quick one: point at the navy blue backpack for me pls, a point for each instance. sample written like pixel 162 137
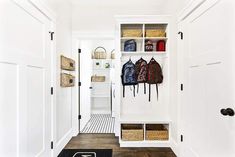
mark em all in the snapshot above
pixel 130 46
pixel 129 76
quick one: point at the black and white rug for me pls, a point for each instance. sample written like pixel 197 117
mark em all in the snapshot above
pixel 100 123
pixel 86 153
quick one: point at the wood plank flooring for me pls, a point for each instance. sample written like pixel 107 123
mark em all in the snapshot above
pixel 109 141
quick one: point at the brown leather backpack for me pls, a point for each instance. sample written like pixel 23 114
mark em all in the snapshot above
pixel 154 74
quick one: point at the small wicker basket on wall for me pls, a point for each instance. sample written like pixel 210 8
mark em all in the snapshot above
pixel 67 63
pixel 100 53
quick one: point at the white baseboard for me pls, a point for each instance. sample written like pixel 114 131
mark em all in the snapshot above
pixel 59 146
pixel 175 147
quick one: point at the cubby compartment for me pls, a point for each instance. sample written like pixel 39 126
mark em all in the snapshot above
pixel 155 30
pixel 158 132
pixel 132 30
pixel 132 132
pixel 138 45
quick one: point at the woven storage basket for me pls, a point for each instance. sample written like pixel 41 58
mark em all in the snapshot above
pixel 155 33
pixel 132 132
pixel 67 63
pixel 112 54
pixel 98 78
pixel 132 33
pixel 67 80
pixel 100 53
pixel 156 132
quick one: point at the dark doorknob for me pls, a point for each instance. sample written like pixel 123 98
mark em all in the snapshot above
pixel 227 112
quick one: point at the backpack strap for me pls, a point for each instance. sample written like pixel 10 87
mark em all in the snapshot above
pixel 137 88
pixel 144 88
pixel 134 90
pixel 149 92
pixel 157 90
pixel 123 91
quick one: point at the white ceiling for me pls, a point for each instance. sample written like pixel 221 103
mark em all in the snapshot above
pixel 98 15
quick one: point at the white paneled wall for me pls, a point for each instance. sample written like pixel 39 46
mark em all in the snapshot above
pixel 63 35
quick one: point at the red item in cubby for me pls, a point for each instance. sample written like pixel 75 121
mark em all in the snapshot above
pixel 161 45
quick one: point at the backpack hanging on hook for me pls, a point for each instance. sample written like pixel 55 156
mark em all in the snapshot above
pixel 155 75
pixel 129 76
pixel 141 68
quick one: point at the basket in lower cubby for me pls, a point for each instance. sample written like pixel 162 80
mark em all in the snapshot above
pixel 156 132
pixel 132 132
pixel 144 135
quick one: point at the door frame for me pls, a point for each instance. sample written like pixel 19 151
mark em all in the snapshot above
pixel 51 16
pixel 78 36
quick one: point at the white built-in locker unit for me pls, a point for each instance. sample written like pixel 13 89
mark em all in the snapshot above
pixel 138 109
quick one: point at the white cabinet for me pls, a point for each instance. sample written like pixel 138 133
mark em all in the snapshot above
pixel 138 110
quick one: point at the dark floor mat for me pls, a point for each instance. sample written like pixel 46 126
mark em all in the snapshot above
pixel 86 153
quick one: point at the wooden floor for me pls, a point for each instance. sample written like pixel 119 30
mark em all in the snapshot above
pixel 109 141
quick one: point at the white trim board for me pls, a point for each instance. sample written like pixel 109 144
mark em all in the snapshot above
pixel 108 35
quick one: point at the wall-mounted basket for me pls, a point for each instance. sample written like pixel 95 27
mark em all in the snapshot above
pixel 67 80
pixel 98 78
pixel 100 53
pixel 67 63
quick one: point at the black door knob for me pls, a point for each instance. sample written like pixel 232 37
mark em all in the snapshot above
pixel 227 112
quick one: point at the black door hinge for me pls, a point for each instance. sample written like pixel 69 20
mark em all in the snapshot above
pixel 52 35
pixel 52 145
pixel 52 90
pixel 79 84
pixel 79 117
pixel 79 50
pixel 182 87
pixel 181 138
pixel 181 35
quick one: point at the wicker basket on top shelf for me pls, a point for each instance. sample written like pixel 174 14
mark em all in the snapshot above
pixel 155 33
pixel 132 33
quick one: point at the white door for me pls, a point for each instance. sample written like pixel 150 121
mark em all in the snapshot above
pixel 25 100
pixel 85 78
pixel 209 38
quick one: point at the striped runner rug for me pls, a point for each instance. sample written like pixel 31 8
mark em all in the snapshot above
pixel 100 123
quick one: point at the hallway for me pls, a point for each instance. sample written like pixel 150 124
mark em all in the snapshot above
pixel 109 141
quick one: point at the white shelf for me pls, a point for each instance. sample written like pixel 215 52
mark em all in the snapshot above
pixel 143 119
pixel 100 96
pixel 156 38
pixel 144 53
pixel 106 82
pixel 129 38
pixel 144 143
pixel 107 59
pixel 106 69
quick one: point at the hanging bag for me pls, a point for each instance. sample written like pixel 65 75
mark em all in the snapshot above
pixel 155 75
pixel 128 76
pixel 141 68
